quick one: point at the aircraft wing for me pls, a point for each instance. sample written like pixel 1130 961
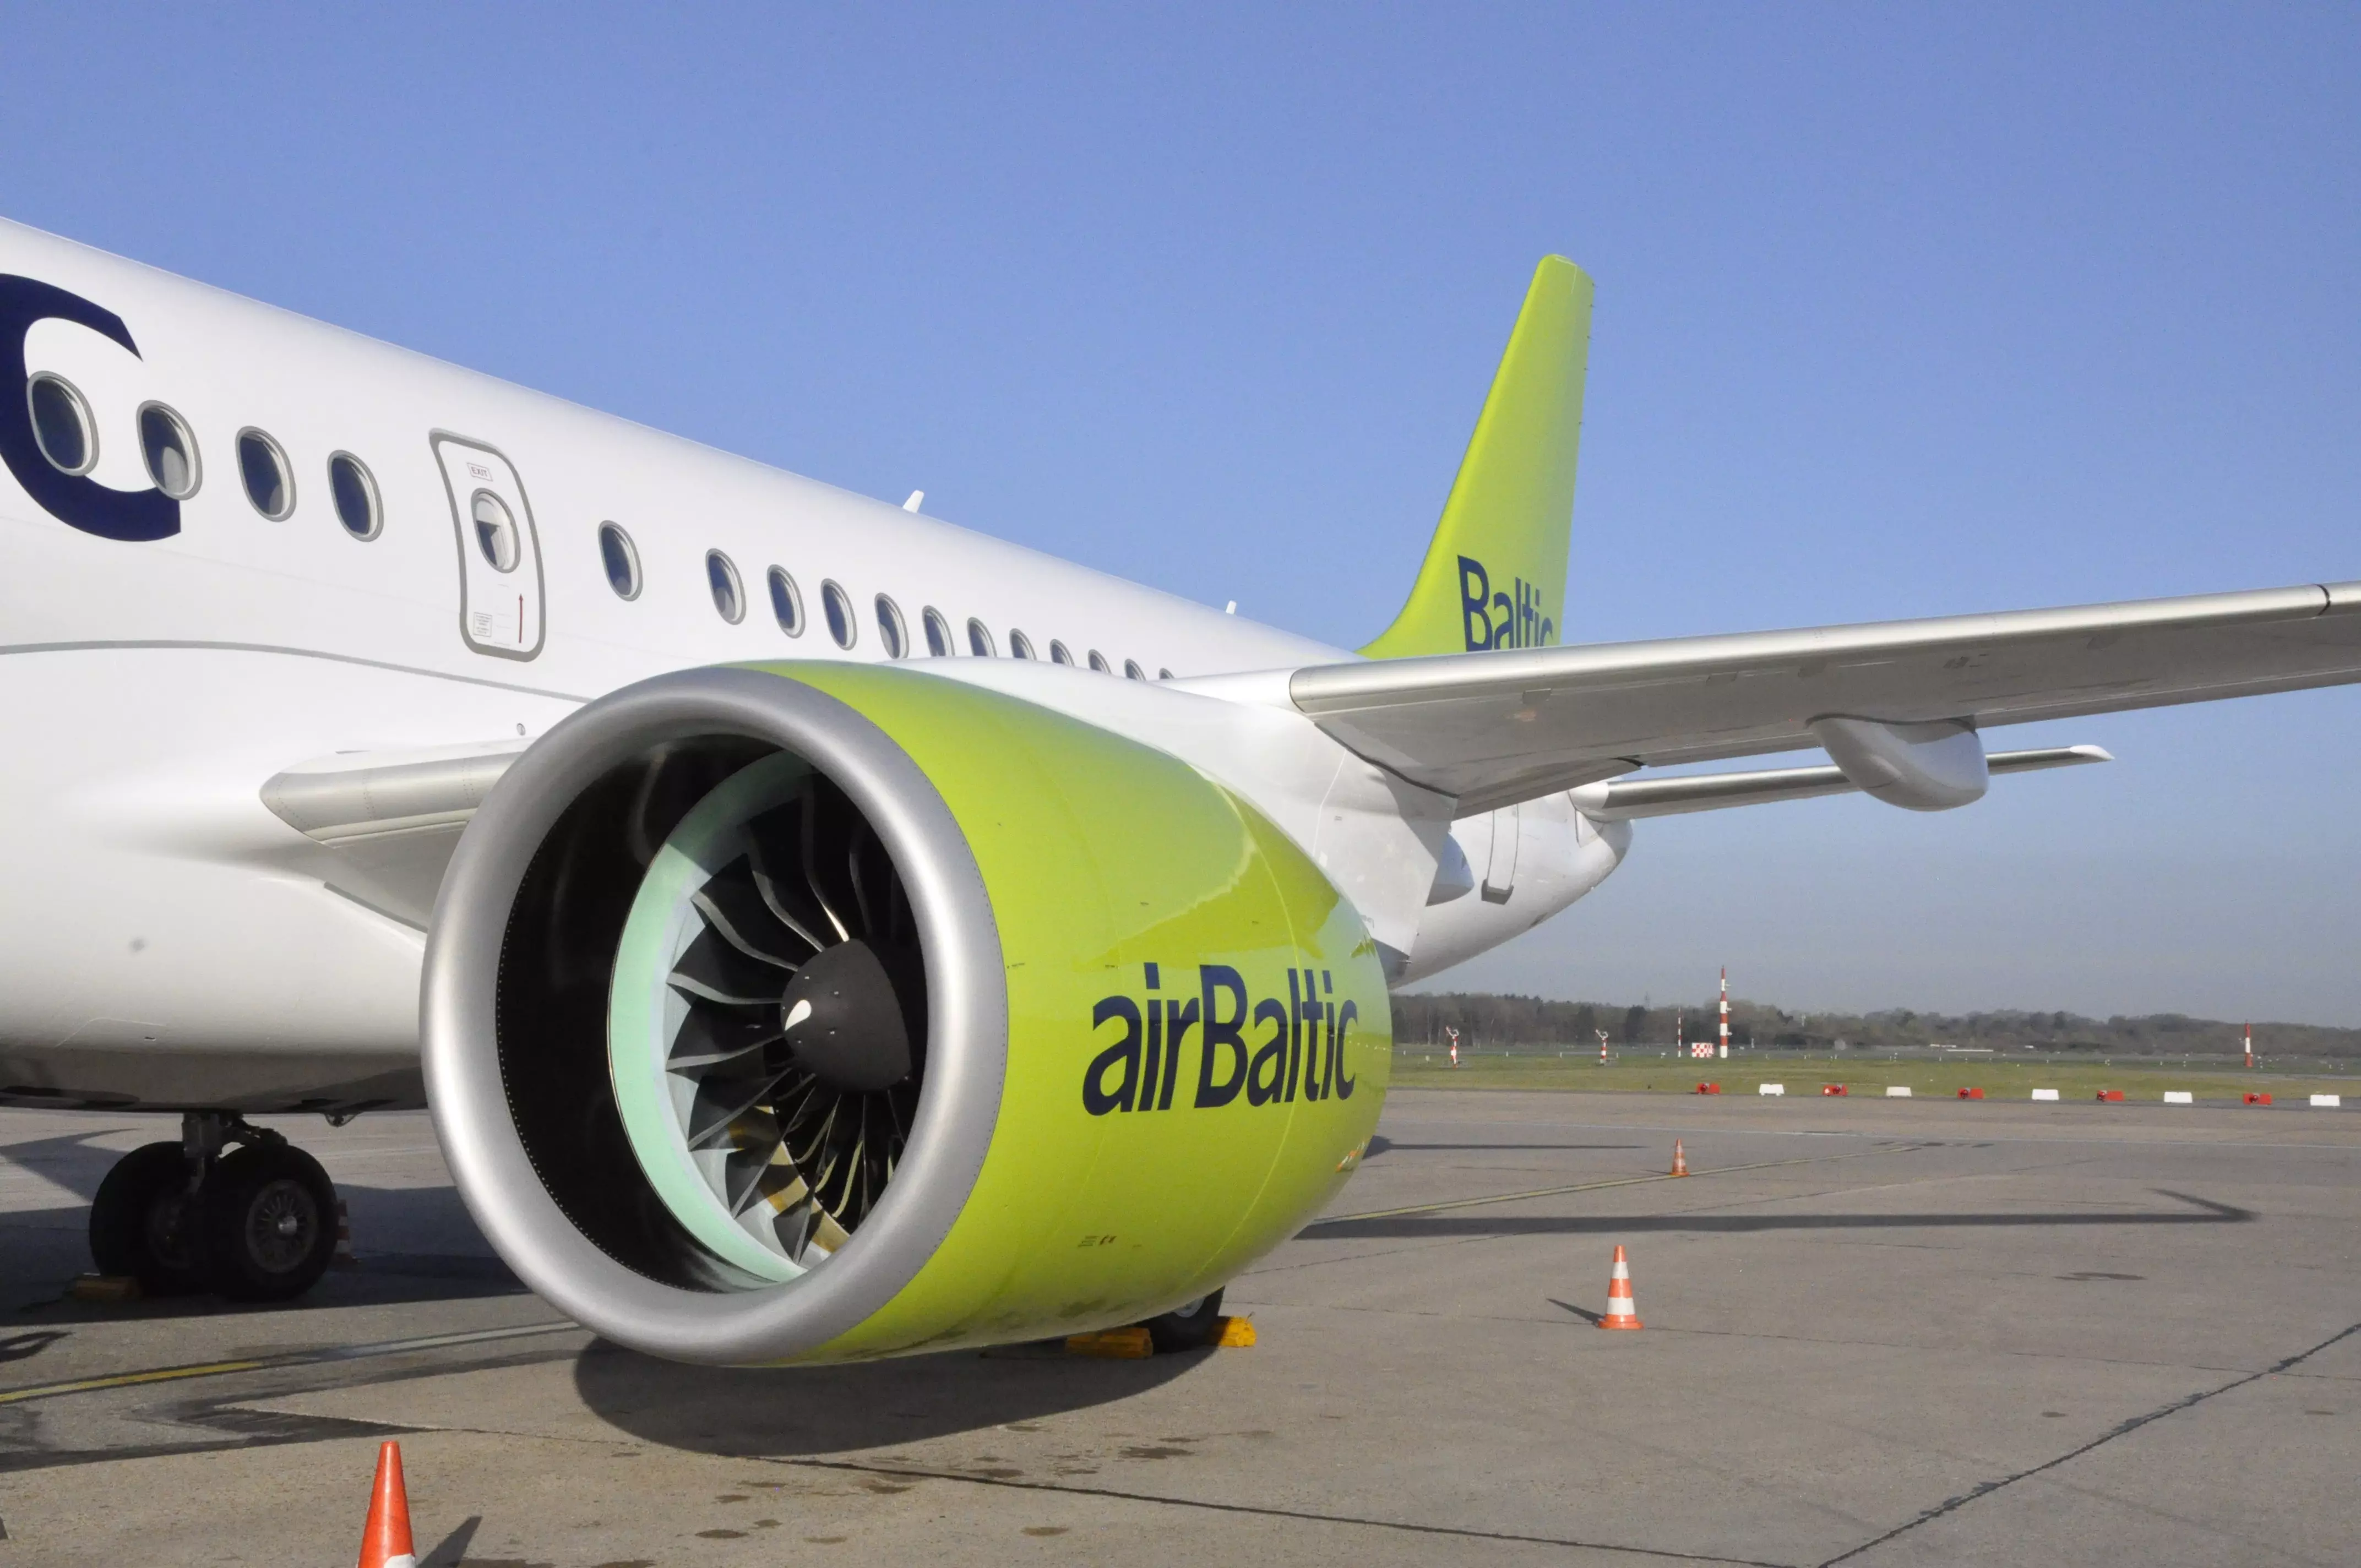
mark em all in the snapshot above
pixel 1497 728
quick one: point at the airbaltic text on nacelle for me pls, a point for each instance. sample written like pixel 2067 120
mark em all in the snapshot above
pixel 1303 1052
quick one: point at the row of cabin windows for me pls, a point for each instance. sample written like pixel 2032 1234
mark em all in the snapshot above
pixel 68 437
pixel 621 559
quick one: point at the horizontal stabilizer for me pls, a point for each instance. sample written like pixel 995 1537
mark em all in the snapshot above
pixel 1623 800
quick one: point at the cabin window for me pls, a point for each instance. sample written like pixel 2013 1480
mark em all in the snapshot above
pixel 728 594
pixel 1132 670
pixel 496 531
pixel 268 485
pixel 889 627
pixel 620 558
pixel 1059 654
pixel 837 605
pixel 62 425
pixel 354 489
pixel 938 632
pixel 1099 662
pixel 170 451
pixel 1019 645
pixel 979 641
pixel 786 602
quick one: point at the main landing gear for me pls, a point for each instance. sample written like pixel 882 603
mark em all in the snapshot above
pixel 258 1224
pixel 1192 1325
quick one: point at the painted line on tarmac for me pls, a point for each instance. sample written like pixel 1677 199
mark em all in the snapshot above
pixel 1597 1186
pixel 1986 1488
pixel 271 1363
pixel 1261 1510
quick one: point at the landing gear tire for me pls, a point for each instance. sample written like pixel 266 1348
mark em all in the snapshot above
pixel 266 1223
pixel 140 1222
pixel 1194 1325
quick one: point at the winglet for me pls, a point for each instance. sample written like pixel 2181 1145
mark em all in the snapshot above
pixel 1495 575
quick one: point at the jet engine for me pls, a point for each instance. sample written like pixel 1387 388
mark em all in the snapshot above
pixel 824 1011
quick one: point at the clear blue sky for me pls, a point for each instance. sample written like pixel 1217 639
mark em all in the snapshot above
pixel 1901 312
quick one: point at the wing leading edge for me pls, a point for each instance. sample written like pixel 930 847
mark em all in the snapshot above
pixel 1497 728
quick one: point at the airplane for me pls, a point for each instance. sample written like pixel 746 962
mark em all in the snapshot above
pixel 819 932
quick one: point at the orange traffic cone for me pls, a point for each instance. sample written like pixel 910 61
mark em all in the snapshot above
pixel 385 1539
pixel 1622 1310
pixel 1680 1159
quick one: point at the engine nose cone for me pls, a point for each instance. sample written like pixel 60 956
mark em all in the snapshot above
pixel 844 1021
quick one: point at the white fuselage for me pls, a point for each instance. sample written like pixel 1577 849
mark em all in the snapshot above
pixel 156 907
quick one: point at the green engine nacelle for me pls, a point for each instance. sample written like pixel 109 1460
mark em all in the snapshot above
pixel 822 1011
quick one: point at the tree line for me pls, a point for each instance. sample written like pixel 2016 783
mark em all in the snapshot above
pixel 1492 1018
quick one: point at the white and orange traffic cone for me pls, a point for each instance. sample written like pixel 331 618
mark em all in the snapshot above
pixel 1623 1312
pixel 385 1539
pixel 1680 1159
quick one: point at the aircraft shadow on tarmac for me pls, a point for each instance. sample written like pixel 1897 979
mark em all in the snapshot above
pixel 744 1412
pixel 1381 1144
pixel 1403 1227
pixel 39 1259
pixel 402 1236
pixel 69 1161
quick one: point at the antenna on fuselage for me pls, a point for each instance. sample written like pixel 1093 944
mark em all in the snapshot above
pixel 917 498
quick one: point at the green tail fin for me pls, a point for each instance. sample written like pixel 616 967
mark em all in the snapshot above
pixel 1495 575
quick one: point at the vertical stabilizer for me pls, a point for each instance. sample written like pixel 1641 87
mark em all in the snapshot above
pixel 1495 575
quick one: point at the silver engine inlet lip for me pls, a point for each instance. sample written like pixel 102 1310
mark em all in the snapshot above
pixel 967 1020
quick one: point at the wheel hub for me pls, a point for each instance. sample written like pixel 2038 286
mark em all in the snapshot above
pixel 279 1225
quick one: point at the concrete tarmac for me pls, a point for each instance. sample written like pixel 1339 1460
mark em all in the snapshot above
pixel 1878 1334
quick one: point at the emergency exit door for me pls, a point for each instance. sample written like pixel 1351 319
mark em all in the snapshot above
pixel 500 592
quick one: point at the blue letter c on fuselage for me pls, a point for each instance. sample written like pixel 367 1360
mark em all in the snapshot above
pixel 74 499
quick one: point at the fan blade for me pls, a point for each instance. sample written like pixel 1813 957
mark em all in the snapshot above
pixel 802 1105
pixel 733 906
pixel 825 1161
pixel 782 1187
pixel 840 817
pixel 852 873
pixel 774 840
pixel 723 1101
pixel 719 972
pixel 742 1177
pixel 795 1228
pixel 708 1038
